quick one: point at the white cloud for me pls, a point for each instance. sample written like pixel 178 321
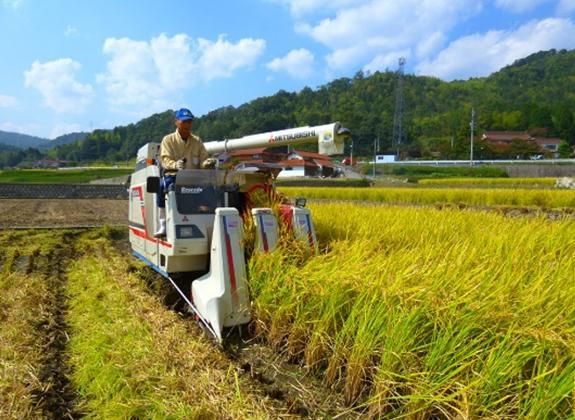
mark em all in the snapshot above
pixel 221 58
pixel 56 82
pixel 303 7
pixel 482 54
pixel 428 46
pixel 31 129
pixel 59 129
pixel 297 63
pixel 373 29
pixel 13 4
pixel 566 7
pixel 385 61
pixel 342 58
pixel 519 6
pixel 148 74
pixel 8 101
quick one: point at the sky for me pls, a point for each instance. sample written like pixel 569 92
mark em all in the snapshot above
pixel 69 65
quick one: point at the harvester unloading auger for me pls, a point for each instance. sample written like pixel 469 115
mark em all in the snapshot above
pixel 202 254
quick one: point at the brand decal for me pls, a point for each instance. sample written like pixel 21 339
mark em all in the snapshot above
pixel 327 137
pixel 191 190
pixel 274 138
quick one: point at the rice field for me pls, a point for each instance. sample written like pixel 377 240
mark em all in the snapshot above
pixel 490 197
pixel 407 312
pixel 491 182
pixel 424 313
pixel 86 334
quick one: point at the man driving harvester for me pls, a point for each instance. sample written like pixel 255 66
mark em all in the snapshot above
pixel 179 150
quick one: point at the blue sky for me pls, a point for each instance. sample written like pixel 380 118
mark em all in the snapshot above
pixel 69 65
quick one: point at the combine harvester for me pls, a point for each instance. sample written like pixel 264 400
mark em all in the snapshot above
pixel 202 254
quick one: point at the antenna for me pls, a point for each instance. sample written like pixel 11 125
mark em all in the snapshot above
pixel 398 114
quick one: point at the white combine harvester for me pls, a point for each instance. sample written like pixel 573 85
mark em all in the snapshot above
pixel 202 254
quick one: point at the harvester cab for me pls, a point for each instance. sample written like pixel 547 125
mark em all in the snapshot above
pixel 203 253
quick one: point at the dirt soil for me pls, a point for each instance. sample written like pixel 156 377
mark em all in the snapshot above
pixel 17 213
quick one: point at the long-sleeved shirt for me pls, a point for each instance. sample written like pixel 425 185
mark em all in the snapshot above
pixel 174 148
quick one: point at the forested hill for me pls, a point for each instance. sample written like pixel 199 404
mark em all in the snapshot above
pixel 21 141
pixel 536 93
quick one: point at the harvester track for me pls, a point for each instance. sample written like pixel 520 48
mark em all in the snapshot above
pixel 290 388
pixel 56 395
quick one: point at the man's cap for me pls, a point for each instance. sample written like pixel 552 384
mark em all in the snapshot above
pixel 184 114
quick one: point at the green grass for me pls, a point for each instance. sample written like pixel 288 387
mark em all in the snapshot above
pixel 62 176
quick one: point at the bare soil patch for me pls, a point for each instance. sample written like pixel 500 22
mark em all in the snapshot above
pixel 17 213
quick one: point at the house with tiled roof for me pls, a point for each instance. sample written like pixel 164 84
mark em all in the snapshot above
pixel 294 163
pixel 503 139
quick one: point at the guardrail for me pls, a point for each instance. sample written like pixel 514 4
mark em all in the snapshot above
pixel 63 191
pixel 477 162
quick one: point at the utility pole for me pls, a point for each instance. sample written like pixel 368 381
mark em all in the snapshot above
pixel 472 125
pixel 351 154
pixel 375 143
pixel 398 114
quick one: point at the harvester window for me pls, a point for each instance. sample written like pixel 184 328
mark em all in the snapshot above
pixel 196 199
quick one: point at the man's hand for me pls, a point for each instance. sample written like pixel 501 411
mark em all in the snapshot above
pixel 180 164
pixel 209 163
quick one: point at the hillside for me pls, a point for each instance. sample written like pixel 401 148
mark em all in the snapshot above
pixel 534 93
pixel 24 141
pixel 21 141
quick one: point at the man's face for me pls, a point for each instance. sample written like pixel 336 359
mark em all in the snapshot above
pixel 184 127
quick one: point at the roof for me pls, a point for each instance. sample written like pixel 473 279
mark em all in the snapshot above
pixel 295 162
pixel 309 155
pixel 506 135
pixel 551 140
pixel 323 163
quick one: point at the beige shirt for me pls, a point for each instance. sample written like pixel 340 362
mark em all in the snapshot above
pixel 174 148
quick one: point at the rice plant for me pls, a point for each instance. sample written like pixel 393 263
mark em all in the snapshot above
pixel 517 197
pixel 425 312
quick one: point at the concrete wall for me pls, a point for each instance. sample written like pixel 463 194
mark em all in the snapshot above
pixel 539 171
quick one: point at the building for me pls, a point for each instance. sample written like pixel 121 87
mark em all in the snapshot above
pixel 502 140
pixel 295 163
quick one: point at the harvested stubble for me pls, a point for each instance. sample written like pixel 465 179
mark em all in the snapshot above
pixel 421 312
pixel 134 359
pixel 523 197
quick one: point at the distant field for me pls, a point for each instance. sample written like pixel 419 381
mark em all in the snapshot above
pixel 62 176
pixel 487 197
pixel 491 182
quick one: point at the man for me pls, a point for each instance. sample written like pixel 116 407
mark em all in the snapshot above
pixel 179 150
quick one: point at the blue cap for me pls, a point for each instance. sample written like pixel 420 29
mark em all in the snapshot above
pixel 184 114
